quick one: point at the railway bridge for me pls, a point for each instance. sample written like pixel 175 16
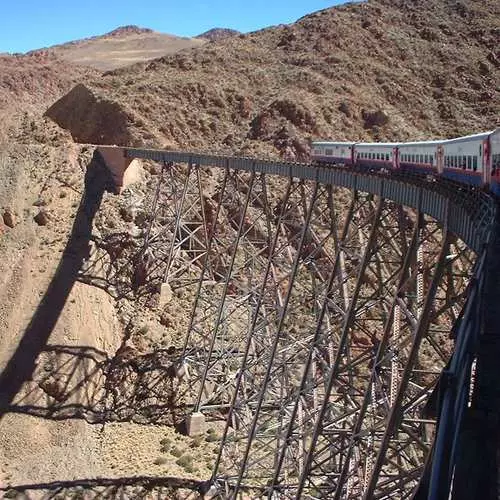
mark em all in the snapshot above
pixel 343 329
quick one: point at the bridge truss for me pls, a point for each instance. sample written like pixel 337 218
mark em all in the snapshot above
pixel 323 311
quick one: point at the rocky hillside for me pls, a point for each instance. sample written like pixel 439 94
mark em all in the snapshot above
pixel 218 34
pixel 121 47
pixel 376 70
pixel 29 84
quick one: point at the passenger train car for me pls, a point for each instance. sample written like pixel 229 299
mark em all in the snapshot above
pixel 474 159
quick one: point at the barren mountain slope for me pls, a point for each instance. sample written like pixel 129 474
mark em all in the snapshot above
pixel 121 47
pixel 381 69
pixel 218 34
pixel 30 83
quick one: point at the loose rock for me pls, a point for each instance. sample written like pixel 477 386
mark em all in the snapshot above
pixel 42 218
pixel 9 219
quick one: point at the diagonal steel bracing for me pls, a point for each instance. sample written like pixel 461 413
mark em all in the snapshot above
pixel 319 323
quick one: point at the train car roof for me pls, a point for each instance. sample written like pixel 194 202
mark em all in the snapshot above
pixel 378 144
pixel 435 142
pixel 472 137
pixel 327 143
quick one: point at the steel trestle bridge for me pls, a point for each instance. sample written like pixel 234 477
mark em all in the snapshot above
pixel 343 326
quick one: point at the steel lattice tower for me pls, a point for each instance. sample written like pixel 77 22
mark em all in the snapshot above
pixel 320 323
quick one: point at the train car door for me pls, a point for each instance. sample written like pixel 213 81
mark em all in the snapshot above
pixel 485 161
pixel 494 161
pixel 395 157
pixel 353 152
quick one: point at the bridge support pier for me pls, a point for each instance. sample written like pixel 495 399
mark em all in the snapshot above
pixel 117 163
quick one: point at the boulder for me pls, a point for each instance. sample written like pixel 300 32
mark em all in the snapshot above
pixel 42 218
pixel 8 218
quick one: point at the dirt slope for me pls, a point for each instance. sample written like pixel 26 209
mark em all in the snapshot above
pixel 121 47
pixel 381 70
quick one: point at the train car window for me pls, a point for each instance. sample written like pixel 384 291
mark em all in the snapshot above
pixel 426 158
pixel 378 156
pixel 480 150
pixel 474 163
pixel 329 152
pixel 421 158
pixel 469 162
pixel 387 156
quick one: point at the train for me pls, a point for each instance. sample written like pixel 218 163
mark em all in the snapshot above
pixel 472 160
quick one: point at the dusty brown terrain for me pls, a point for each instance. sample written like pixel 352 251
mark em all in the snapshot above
pixel 385 69
pixel 121 47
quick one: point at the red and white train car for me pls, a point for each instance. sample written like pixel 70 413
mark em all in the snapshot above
pixel 473 159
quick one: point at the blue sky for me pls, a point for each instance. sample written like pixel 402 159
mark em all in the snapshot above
pixel 32 24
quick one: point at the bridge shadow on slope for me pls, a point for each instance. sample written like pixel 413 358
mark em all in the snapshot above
pixel 22 363
pixel 104 488
pixel 83 382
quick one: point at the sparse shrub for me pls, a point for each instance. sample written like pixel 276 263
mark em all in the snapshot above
pixel 186 462
pixel 160 461
pixel 143 330
pixel 212 438
pixel 176 452
pixel 197 441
